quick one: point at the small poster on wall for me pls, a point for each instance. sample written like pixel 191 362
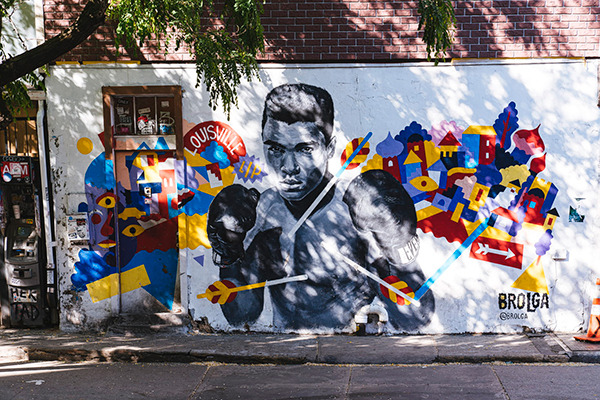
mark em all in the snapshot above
pixel 77 228
pixel 16 169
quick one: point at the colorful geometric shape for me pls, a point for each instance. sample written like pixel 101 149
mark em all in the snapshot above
pixel 360 157
pixel 107 287
pixel 533 279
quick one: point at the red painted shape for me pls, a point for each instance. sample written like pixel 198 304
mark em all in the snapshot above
pixel 162 236
pixel 496 252
pixel 538 164
pixel 386 292
pixel 487 149
pixel 216 298
pixel 441 225
pixel 391 165
pixel 505 130
pixel 199 138
pixel 449 140
pixel 532 137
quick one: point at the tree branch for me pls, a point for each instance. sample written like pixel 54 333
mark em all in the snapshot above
pixel 91 17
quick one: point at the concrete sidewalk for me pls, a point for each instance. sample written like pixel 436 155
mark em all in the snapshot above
pixel 295 349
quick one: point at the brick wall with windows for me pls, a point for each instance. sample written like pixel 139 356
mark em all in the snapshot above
pixel 375 30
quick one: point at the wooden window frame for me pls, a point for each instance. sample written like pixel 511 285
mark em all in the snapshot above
pixel 109 91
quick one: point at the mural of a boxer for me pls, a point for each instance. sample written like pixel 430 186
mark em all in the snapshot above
pixel 370 221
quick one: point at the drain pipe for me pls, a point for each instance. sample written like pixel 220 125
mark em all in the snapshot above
pixel 48 207
pixel 362 316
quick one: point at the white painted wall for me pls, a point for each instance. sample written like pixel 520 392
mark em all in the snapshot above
pixel 561 95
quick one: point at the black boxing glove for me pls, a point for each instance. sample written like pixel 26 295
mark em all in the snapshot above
pixel 231 214
pixel 379 204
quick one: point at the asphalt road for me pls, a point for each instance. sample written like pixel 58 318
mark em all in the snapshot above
pixel 58 380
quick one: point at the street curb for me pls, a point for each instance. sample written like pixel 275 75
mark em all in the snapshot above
pixel 191 356
pixel 591 357
pixel 515 359
pixel 127 355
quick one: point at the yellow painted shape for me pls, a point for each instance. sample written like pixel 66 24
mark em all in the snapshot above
pixel 131 212
pixel 471 226
pixel 412 158
pixel 192 231
pixel 458 170
pixel 533 279
pixel 85 145
pixel 457 212
pixel 474 205
pixel 359 158
pixel 427 212
pixel 194 160
pixel 494 233
pixel 480 130
pixel 151 173
pixel 512 173
pixel 432 152
pixel 227 175
pixel 549 225
pixel 375 163
pixel 429 184
pixel 107 287
pixel 224 291
pixel 448 149
pixel 541 184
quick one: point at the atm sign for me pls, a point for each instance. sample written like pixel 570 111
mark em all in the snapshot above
pixel 16 169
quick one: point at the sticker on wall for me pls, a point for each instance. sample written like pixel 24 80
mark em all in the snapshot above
pixel 574 216
pixel 250 169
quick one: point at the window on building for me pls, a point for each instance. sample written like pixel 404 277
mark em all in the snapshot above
pixel 20 137
pixel 143 111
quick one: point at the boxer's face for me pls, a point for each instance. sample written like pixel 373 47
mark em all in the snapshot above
pixel 297 155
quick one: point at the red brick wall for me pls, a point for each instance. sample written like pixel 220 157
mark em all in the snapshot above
pixel 360 30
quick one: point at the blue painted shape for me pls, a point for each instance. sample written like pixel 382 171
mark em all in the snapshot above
pixel 549 200
pixel 520 156
pixel 506 124
pixel 453 257
pixel 413 128
pixel 438 166
pixel 100 173
pixel 109 173
pixel 161 267
pixel 82 207
pixel 216 154
pixel 442 202
pixel 468 214
pixel 471 150
pixel 144 146
pixel 199 204
pixel 202 171
pixel 90 268
pixel 156 187
pixel 488 175
pixel 161 144
pixel 413 171
pixel 199 260
pixel 457 198
pixel 173 212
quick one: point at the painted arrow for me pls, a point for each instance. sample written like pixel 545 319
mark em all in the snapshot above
pixel 485 249
pixel 225 291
